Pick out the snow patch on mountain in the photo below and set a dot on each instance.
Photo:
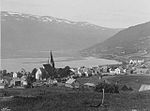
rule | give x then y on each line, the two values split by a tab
48	19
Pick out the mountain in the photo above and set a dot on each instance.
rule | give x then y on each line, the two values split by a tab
132	41
25	35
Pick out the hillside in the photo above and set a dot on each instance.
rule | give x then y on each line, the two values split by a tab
25	35
134	40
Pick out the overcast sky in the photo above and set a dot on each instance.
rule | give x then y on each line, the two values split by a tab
109	13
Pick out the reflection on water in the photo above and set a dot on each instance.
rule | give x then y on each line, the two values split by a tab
16	64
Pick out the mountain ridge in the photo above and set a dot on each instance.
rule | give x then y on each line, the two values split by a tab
130	41
42	33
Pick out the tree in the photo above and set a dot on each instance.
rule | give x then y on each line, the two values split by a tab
30	79
4	72
63	72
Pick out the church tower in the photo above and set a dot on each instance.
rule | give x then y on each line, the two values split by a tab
52	60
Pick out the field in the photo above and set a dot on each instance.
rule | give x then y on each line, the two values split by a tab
64	99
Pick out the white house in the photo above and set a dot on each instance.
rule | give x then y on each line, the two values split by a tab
38	74
79	71
116	71
2	84
136	61
14	74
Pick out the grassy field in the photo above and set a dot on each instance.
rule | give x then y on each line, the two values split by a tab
133	81
64	99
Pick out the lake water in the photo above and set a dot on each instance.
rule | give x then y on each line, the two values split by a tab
15	64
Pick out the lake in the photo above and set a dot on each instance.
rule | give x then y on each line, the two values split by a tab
15	64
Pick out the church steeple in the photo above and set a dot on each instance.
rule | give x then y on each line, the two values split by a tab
52	60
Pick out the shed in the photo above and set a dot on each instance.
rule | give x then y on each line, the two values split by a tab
72	83
144	87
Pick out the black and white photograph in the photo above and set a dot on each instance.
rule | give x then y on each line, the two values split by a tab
75	55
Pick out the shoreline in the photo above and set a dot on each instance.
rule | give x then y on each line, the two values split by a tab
30	63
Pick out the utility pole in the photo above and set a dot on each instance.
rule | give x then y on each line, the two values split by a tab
103	97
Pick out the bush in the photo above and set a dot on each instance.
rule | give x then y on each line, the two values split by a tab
130	88
124	88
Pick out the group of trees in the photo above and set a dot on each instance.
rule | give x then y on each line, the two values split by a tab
5	73
109	88
63	72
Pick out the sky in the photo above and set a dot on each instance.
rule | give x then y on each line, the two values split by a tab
108	13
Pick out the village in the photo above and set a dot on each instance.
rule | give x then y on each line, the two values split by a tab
95	87
48	75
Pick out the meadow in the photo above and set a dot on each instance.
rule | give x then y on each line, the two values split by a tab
65	99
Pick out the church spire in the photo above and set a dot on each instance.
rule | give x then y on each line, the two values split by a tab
52	60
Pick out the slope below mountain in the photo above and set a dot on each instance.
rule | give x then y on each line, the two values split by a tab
134	40
25	35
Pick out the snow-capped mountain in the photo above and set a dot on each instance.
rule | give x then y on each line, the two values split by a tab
26	32
47	19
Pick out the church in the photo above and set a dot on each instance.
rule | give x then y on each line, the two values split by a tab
50	66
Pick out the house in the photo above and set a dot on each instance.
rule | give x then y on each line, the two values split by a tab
89	85
80	71
111	72
75	71
51	81
136	61
2	84
116	71
15	75
104	68
72	83
85	71
38	74
23	71
18	82
95	70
